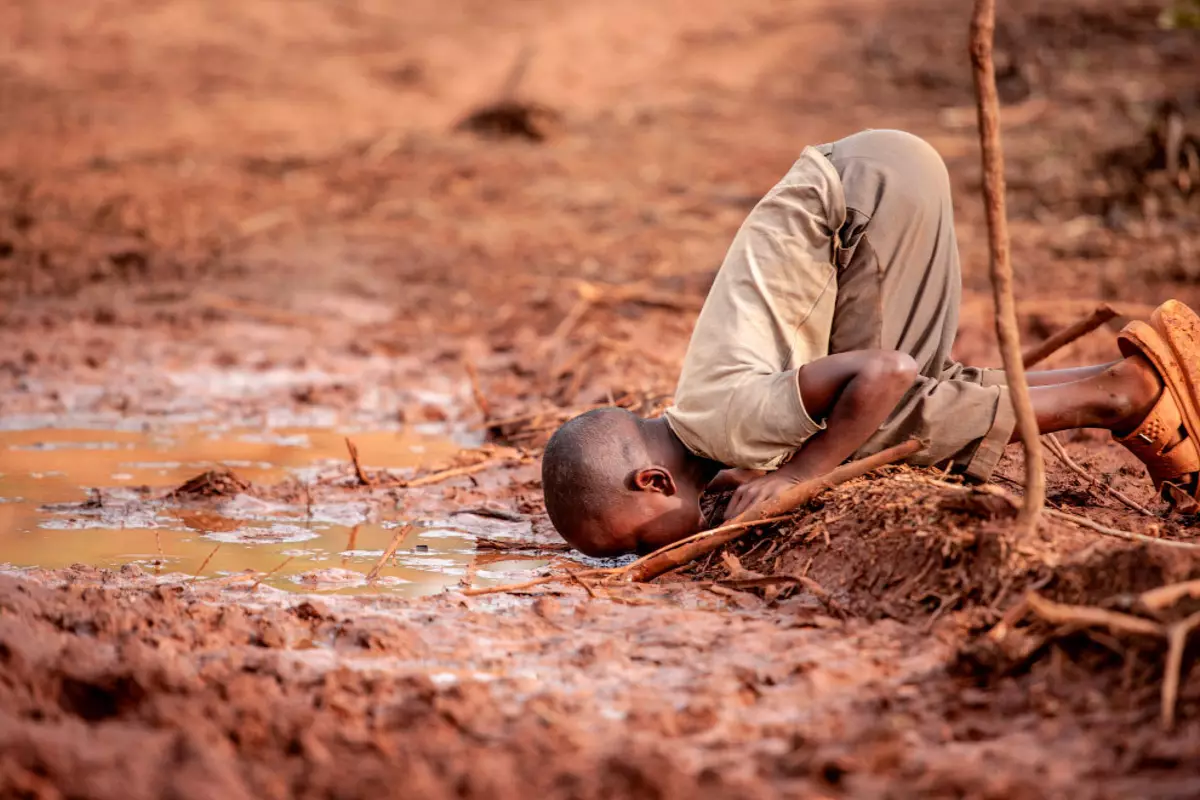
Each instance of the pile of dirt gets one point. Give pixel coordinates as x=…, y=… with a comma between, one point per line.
x=910, y=544
x=222, y=482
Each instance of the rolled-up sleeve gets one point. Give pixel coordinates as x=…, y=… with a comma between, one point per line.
x=767, y=421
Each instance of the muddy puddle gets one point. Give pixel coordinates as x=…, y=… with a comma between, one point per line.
x=97, y=497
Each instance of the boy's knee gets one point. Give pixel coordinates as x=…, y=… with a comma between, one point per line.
x=890, y=371
x=898, y=368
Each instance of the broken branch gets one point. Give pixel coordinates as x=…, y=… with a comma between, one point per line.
x=516, y=587
x=1177, y=636
x=393, y=546
x=983, y=24
x=1120, y=534
x=447, y=474
x=266, y=575
x=586, y=587
x=1060, y=452
x=1169, y=595
x=686, y=550
x=1038, y=353
x=481, y=401
x=1091, y=616
x=207, y=559
x=358, y=470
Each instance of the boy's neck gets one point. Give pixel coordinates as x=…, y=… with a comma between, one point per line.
x=667, y=448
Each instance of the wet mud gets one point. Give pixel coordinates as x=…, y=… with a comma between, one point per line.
x=291, y=297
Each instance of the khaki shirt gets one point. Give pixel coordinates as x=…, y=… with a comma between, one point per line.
x=768, y=313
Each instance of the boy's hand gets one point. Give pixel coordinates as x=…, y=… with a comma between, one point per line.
x=758, y=490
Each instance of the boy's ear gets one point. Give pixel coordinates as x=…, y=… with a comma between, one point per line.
x=654, y=479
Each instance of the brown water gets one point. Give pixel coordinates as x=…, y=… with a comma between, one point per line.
x=46, y=474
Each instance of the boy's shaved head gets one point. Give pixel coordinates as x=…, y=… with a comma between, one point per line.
x=616, y=483
x=586, y=472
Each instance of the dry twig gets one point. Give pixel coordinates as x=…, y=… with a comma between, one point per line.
x=693, y=547
x=272, y=316
x=397, y=539
x=481, y=401
x=1060, y=452
x=1040, y=352
x=633, y=570
x=586, y=587
x=516, y=587
x=1177, y=636
x=1120, y=534
x=1169, y=595
x=455, y=472
x=1056, y=513
x=358, y=470
x=566, y=325
x=1090, y=616
x=983, y=24
x=639, y=293
x=204, y=563
x=222, y=580
x=266, y=575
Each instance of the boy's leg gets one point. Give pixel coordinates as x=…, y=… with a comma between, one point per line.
x=899, y=287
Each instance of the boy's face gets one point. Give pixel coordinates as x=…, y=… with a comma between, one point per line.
x=652, y=519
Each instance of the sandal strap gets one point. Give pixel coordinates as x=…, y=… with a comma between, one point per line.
x=1150, y=441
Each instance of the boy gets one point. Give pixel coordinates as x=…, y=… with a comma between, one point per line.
x=827, y=334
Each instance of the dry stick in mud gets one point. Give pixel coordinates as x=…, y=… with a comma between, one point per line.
x=1091, y=616
x=358, y=470
x=394, y=545
x=586, y=586
x=1060, y=452
x=1076, y=519
x=701, y=544
x=1060, y=339
x=481, y=401
x=455, y=472
x=1176, y=634
x=631, y=570
x=516, y=587
x=983, y=27
x=204, y=563
x=223, y=580
x=266, y=575
x=1120, y=534
x=1166, y=596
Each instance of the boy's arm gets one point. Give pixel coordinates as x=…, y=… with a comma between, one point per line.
x=855, y=393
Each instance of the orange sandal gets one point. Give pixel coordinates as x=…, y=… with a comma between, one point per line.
x=1171, y=343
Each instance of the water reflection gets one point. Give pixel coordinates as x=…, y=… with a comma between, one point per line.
x=51, y=517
